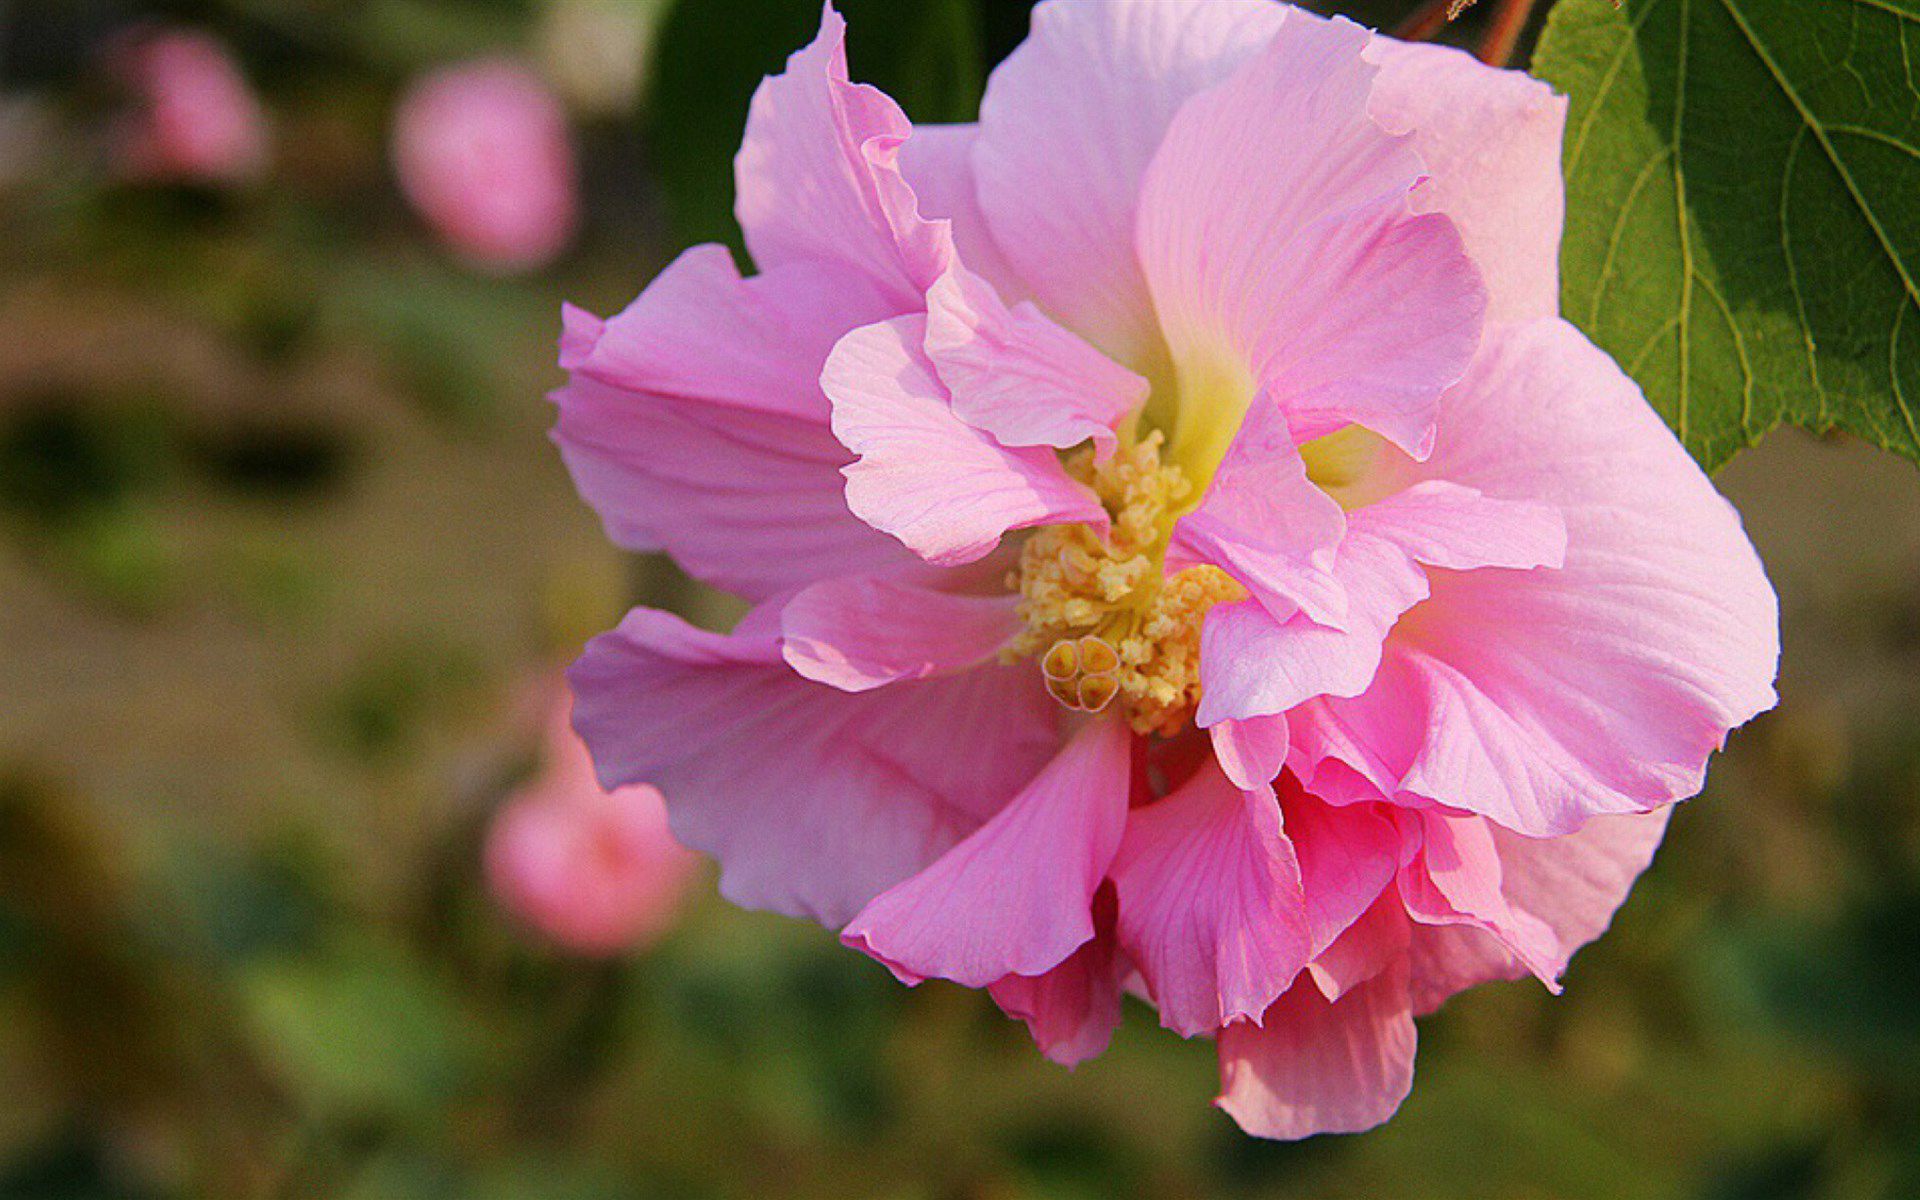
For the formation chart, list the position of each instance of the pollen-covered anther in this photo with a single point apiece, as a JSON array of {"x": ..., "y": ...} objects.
[{"x": 1107, "y": 622}]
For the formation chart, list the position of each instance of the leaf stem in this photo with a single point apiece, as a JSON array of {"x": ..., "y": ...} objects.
[{"x": 1503, "y": 34}]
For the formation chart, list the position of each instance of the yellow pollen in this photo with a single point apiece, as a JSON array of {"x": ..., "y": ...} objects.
[{"x": 1107, "y": 622}]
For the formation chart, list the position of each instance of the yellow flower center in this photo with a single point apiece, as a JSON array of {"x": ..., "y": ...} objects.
[{"x": 1108, "y": 625}]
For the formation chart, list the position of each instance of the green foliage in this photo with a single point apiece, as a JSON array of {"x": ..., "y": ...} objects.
[
  {"x": 1742, "y": 228},
  {"x": 713, "y": 53}
]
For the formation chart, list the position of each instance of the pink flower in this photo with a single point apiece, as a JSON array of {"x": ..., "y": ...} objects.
[
  {"x": 1191, "y": 557},
  {"x": 596, "y": 871},
  {"x": 484, "y": 153},
  {"x": 195, "y": 120}
]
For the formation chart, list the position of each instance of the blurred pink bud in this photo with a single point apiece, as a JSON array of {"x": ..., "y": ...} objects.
[
  {"x": 484, "y": 153},
  {"x": 194, "y": 120},
  {"x": 597, "y": 872}
]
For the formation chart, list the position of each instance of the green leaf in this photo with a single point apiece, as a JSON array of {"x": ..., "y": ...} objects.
[
  {"x": 713, "y": 53},
  {"x": 1743, "y": 226}
]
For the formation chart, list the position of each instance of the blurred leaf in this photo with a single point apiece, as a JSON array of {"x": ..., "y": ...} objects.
[
  {"x": 713, "y": 53},
  {"x": 1742, "y": 234},
  {"x": 364, "y": 1031}
]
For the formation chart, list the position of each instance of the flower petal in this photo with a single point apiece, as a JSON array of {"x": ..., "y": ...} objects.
[
  {"x": 818, "y": 177},
  {"x": 856, "y": 634},
  {"x": 1541, "y": 699},
  {"x": 1348, "y": 855},
  {"x": 1281, "y": 252},
  {"x": 1264, "y": 522},
  {"x": 1491, "y": 142},
  {"x": 694, "y": 423},
  {"x": 1454, "y": 878},
  {"x": 1015, "y": 897},
  {"x": 1067, "y": 126},
  {"x": 1211, "y": 910},
  {"x": 1073, "y": 1009},
  {"x": 1018, "y": 376},
  {"x": 1252, "y": 751},
  {"x": 1318, "y": 1066},
  {"x": 938, "y": 163},
  {"x": 813, "y": 800},
  {"x": 944, "y": 488}
]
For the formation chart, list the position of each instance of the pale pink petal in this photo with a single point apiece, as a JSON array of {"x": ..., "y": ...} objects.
[
  {"x": 818, "y": 178},
  {"x": 1446, "y": 525},
  {"x": 1577, "y": 882},
  {"x": 1067, "y": 127},
  {"x": 1015, "y": 897},
  {"x": 938, "y": 163},
  {"x": 1266, "y": 524},
  {"x": 1211, "y": 910},
  {"x": 1491, "y": 142},
  {"x": 1018, "y": 376},
  {"x": 1073, "y": 1009},
  {"x": 1541, "y": 699},
  {"x": 1454, "y": 878},
  {"x": 1318, "y": 1066},
  {"x": 860, "y": 633},
  {"x": 944, "y": 488},
  {"x": 1251, "y": 751},
  {"x": 813, "y": 800},
  {"x": 1445, "y": 960},
  {"x": 694, "y": 423},
  {"x": 1276, "y": 232}
]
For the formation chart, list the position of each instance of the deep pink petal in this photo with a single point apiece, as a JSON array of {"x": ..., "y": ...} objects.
[
  {"x": 1491, "y": 142},
  {"x": 860, "y": 633},
  {"x": 1348, "y": 855},
  {"x": 694, "y": 423},
  {"x": 1018, "y": 376},
  {"x": 1015, "y": 897},
  {"x": 1211, "y": 910},
  {"x": 818, "y": 178},
  {"x": 1380, "y": 938},
  {"x": 1314, "y": 1066},
  {"x": 1067, "y": 127},
  {"x": 1541, "y": 699},
  {"x": 1275, "y": 230},
  {"x": 813, "y": 800},
  {"x": 1073, "y": 1009},
  {"x": 944, "y": 488}
]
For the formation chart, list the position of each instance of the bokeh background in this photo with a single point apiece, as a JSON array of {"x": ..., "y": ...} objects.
[{"x": 285, "y": 556}]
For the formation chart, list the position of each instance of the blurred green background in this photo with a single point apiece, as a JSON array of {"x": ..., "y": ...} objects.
[{"x": 283, "y": 550}]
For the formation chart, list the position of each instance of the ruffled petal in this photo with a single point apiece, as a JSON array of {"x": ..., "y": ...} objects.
[
  {"x": 944, "y": 488},
  {"x": 1018, "y": 376},
  {"x": 1574, "y": 884},
  {"x": 1379, "y": 939},
  {"x": 1281, "y": 250},
  {"x": 818, "y": 177},
  {"x": 1319, "y": 1066},
  {"x": 1348, "y": 855},
  {"x": 694, "y": 423},
  {"x": 1015, "y": 897},
  {"x": 1266, "y": 524},
  {"x": 1211, "y": 910},
  {"x": 860, "y": 633},
  {"x": 813, "y": 800},
  {"x": 1073, "y": 1009},
  {"x": 1542, "y": 699},
  {"x": 1067, "y": 126},
  {"x": 1454, "y": 878},
  {"x": 1491, "y": 142},
  {"x": 938, "y": 163}
]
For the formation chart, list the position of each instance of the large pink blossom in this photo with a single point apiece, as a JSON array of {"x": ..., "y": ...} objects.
[
  {"x": 1190, "y": 555},
  {"x": 193, "y": 119},
  {"x": 596, "y": 871},
  {"x": 484, "y": 154}
]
